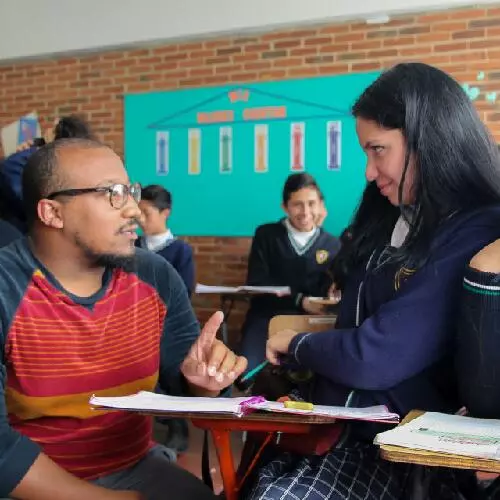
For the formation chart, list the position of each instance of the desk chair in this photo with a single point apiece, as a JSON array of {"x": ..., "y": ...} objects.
[
  {"x": 271, "y": 425},
  {"x": 301, "y": 323}
]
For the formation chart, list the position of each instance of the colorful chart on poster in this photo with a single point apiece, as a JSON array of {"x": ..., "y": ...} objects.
[{"x": 225, "y": 152}]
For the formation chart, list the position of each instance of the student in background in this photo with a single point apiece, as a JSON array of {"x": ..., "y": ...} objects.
[
  {"x": 156, "y": 206},
  {"x": 292, "y": 252},
  {"x": 437, "y": 171},
  {"x": 11, "y": 168}
]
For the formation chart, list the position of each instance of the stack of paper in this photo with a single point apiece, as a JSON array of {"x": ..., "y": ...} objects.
[
  {"x": 372, "y": 413},
  {"x": 150, "y": 402},
  {"x": 453, "y": 434},
  {"x": 274, "y": 290}
]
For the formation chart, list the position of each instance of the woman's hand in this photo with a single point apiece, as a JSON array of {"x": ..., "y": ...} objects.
[
  {"x": 312, "y": 307},
  {"x": 278, "y": 344}
]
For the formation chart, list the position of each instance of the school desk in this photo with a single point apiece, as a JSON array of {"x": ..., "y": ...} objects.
[
  {"x": 221, "y": 426},
  {"x": 422, "y": 459}
]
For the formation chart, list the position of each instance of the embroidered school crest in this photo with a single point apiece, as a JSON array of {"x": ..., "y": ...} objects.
[
  {"x": 401, "y": 276},
  {"x": 321, "y": 256}
]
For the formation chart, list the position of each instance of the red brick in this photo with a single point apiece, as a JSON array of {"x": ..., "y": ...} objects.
[{"x": 461, "y": 41}]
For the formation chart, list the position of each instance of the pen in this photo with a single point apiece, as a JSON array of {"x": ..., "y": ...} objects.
[{"x": 254, "y": 372}]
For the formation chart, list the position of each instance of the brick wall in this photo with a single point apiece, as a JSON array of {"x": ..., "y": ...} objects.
[{"x": 462, "y": 42}]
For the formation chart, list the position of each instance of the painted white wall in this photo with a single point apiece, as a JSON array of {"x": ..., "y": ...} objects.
[{"x": 31, "y": 28}]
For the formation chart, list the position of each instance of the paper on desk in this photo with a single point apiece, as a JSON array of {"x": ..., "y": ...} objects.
[
  {"x": 149, "y": 401},
  {"x": 273, "y": 290},
  {"x": 372, "y": 413},
  {"x": 453, "y": 434}
]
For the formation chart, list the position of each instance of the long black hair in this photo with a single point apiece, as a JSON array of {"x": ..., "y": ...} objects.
[{"x": 456, "y": 162}]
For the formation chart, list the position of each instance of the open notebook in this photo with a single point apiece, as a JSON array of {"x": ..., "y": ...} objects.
[
  {"x": 148, "y": 401},
  {"x": 452, "y": 434}
]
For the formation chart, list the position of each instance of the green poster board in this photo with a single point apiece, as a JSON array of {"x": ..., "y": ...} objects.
[{"x": 225, "y": 152}]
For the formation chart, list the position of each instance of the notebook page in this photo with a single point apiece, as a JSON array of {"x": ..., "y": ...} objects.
[
  {"x": 372, "y": 413},
  {"x": 444, "y": 433},
  {"x": 149, "y": 401}
]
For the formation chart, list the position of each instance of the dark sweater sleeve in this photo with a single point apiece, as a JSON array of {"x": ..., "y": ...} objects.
[
  {"x": 260, "y": 274},
  {"x": 17, "y": 452},
  {"x": 180, "y": 330},
  {"x": 8, "y": 233},
  {"x": 185, "y": 267},
  {"x": 478, "y": 344},
  {"x": 407, "y": 334}
]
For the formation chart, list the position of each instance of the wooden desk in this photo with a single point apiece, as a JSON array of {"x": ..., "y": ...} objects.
[
  {"x": 433, "y": 459},
  {"x": 221, "y": 426}
]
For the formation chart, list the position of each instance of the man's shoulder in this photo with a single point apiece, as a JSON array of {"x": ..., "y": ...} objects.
[
  {"x": 17, "y": 267},
  {"x": 16, "y": 257},
  {"x": 153, "y": 269},
  {"x": 8, "y": 233},
  {"x": 151, "y": 262}
]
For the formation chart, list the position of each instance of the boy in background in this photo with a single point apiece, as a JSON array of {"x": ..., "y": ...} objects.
[{"x": 156, "y": 206}]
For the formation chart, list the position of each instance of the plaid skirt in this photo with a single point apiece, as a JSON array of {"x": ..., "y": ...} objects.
[{"x": 353, "y": 472}]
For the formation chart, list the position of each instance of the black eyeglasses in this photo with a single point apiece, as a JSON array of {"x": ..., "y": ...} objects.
[{"x": 118, "y": 193}]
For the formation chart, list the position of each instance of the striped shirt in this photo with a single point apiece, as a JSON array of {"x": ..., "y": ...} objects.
[{"x": 59, "y": 349}]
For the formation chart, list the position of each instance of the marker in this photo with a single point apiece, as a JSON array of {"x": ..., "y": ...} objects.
[
  {"x": 254, "y": 372},
  {"x": 299, "y": 405}
]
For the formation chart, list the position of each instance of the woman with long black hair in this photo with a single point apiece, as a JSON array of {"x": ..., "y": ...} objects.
[{"x": 433, "y": 200}]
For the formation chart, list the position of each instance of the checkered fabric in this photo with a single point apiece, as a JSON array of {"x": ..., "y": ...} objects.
[{"x": 353, "y": 472}]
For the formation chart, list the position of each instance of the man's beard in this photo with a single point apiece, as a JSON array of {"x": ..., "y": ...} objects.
[{"x": 108, "y": 260}]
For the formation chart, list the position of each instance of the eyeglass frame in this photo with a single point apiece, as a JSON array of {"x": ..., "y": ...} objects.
[{"x": 102, "y": 189}]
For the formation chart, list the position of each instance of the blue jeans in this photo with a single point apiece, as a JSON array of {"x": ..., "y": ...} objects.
[{"x": 157, "y": 477}]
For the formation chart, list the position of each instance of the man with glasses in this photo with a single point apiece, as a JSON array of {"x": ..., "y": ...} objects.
[{"x": 83, "y": 312}]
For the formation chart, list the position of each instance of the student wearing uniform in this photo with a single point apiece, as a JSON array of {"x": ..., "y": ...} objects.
[
  {"x": 292, "y": 252},
  {"x": 156, "y": 206},
  {"x": 437, "y": 172}
]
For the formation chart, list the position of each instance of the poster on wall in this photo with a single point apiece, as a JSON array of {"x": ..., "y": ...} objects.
[
  {"x": 261, "y": 149},
  {"x": 225, "y": 152},
  {"x": 20, "y": 131},
  {"x": 162, "y": 153},
  {"x": 333, "y": 145},
  {"x": 194, "y": 156},
  {"x": 297, "y": 147}
]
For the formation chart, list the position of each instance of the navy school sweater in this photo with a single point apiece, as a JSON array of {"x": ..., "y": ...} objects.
[
  {"x": 478, "y": 344},
  {"x": 276, "y": 261},
  {"x": 393, "y": 343},
  {"x": 180, "y": 255}
]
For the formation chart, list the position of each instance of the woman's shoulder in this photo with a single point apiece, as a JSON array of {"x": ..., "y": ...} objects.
[{"x": 487, "y": 260}]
